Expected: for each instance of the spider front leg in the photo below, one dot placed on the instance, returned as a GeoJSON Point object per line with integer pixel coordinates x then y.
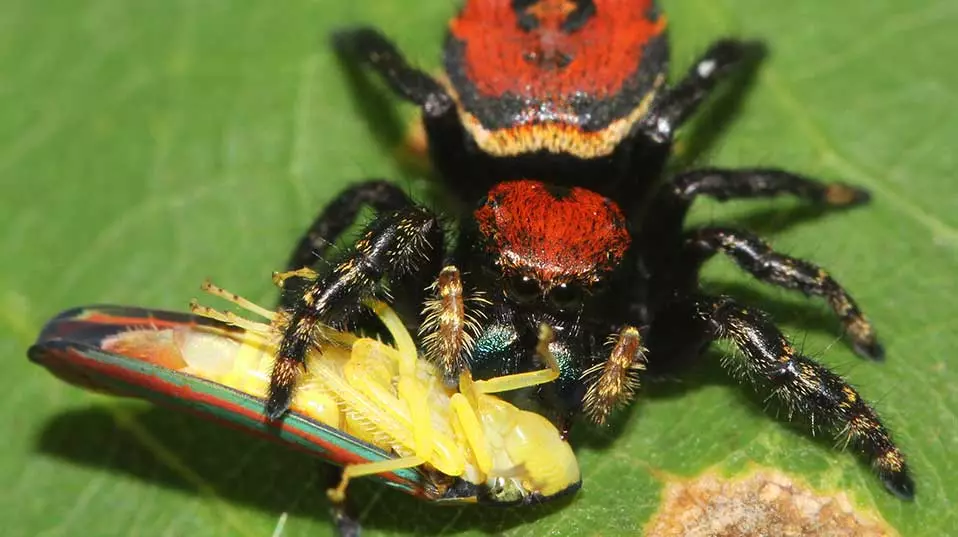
{"type": "Point", "coordinates": [392, 246]}
{"type": "Point", "coordinates": [340, 214]}
{"type": "Point", "coordinates": [759, 259]}
{"type": "Point", "coordinates": [682, 100]}
{"type": "Point", "coordinates": [804, 386]}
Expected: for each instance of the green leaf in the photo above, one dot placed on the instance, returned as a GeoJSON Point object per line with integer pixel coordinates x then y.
{"type": "Point", "coordinates": [145, 146]}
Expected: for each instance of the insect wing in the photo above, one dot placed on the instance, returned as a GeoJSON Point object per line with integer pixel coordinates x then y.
{"type": "Point", "coordinates": [71, 346]}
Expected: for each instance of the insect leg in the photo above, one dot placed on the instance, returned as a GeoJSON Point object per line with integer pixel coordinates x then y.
{"type": "Point", "coordinates": [346, 524]}
{"type": "Point", "coordinates": [338, 494]}
{"type": "Point", "coordinates": [392, 246]}
{"type": "Point", "coordinates": [369, 47]}
{"type": "Point", "coordinates": [341, 213]}
{"type": "Point", "coordinates": [344, 513]}
{"type": "Point", "coordinates": [681, 101]}
{"type": "Point", "coordinates": [756, 257]}
{"type": "Point", "coordinates": [802, 385]}
{"type": "Point", "coordinates": [518, 381]}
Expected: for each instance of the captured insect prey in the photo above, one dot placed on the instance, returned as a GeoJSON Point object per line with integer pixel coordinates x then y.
{"type": "Point", "coordinates": [375, 409]}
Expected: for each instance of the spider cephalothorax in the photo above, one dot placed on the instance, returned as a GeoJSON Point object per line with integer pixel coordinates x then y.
{"type": "Point", "coordinates": [552, 238]}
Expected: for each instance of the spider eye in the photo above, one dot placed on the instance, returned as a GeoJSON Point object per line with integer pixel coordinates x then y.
{"type": "Point", "coordinates": [566, 297]}
{"type": "Point", "coordinates": [524, 289]}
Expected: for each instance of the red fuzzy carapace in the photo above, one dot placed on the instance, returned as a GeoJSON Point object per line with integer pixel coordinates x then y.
{"type": "Point", "coordinates": [556, 235]}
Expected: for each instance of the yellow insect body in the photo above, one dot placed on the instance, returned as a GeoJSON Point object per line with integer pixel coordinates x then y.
{"type": "Point", "coordinates": [391, 398]}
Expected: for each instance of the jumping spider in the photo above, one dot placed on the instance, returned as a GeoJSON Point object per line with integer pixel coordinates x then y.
{"type": "Point", "coordinates": [576, 226]}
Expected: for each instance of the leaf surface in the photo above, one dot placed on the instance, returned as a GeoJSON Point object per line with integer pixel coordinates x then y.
{"type": "Point", "coordinates": [145, 146]}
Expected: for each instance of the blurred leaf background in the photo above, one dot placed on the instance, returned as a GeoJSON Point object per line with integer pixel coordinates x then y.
{"type": "Point", "coordinates": [145, 146]}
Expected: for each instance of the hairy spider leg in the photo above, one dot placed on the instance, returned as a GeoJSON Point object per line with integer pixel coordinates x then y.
{"type": "Point", "coordinates": [370, 47]}
{"type": "Point", "coordinates": [756, 257]}
{"type": "Point", "coordinates": [392, 246]}
{"type": "Point", "coordinates": [803, 386]}
{"type": "Point", "coordinates": [680, 102]}
{"type": "Point", "coordinates": [383, 196]}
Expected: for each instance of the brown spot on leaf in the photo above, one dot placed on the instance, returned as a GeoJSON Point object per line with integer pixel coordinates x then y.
{"type": "Point", "coordinates": [761, 503]}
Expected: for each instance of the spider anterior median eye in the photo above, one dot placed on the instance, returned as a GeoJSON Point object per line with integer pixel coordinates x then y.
{"type": "Point", "coordinates": [565, 296]}
{"type": "Point", "coordinates": [524, 289]}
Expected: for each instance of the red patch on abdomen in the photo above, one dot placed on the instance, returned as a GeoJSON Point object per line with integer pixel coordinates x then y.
{"type": "Point", "coordinates": [557, 233]}
{"type": "Point", "coordinates": [548, 62]}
